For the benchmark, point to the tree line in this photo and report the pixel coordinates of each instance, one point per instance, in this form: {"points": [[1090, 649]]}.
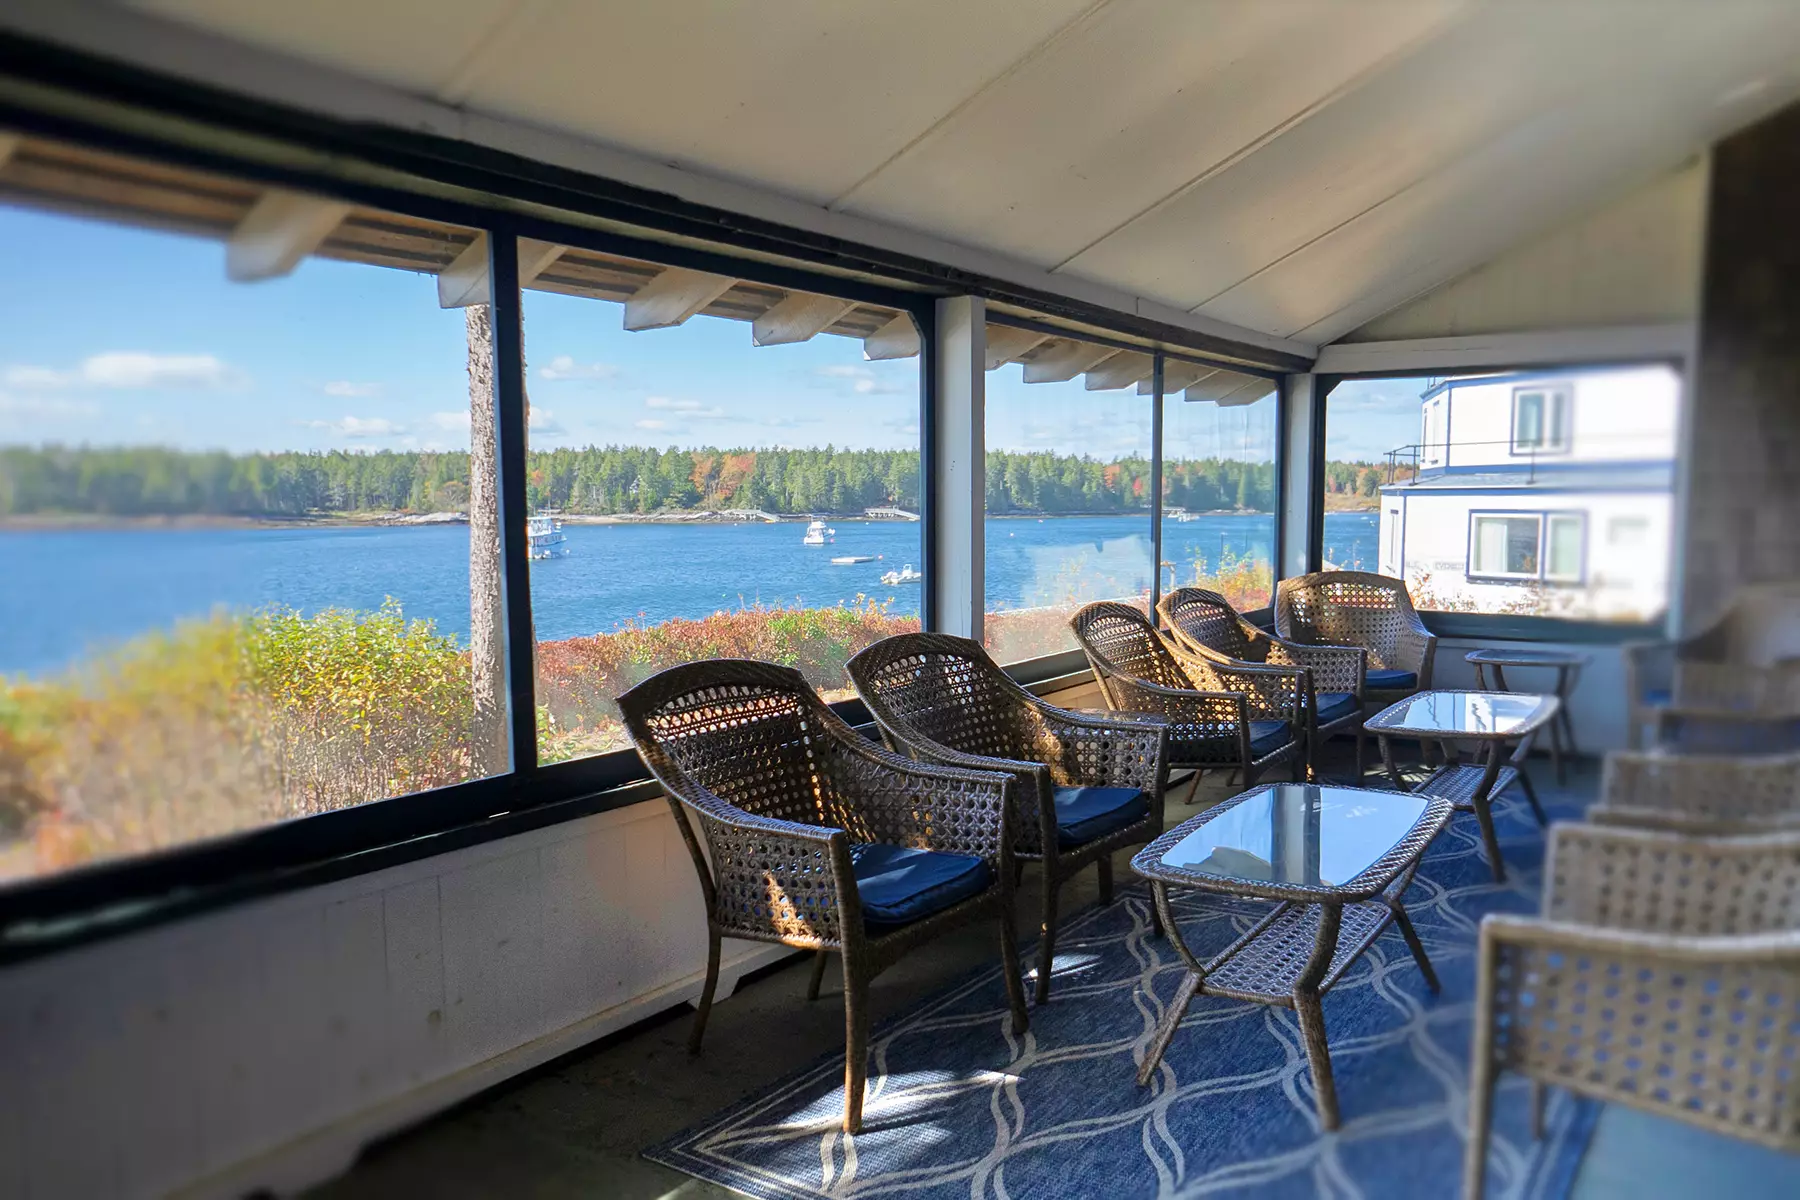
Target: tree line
{"points": [[155, 481]]}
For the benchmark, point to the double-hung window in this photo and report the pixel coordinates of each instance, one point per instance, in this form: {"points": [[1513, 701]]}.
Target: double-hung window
{"points": [[1540, 420], [1528, 546]]}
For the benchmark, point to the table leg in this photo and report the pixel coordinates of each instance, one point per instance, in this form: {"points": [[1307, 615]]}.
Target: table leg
{"points": [[1565, 684], [1500, 679], [1387, 758], [1165, 1028], [1484, 813], [1312, 1014]]}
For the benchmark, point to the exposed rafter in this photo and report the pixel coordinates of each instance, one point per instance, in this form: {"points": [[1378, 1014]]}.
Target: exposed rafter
{"points": [[1176, 376], [279, 230], [1121, 370], [465, 281], [798, 317], [1065, 361], [899, 338], [1006, 344], [672, 297], [9, 142], [1248, 392], [1214, 384]]}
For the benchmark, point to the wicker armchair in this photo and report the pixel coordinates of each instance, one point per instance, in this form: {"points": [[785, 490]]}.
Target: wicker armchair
{"points": [[1241, 719], [1699, 794], [1743, 665], [1085, 784], [1663, 974], [1204, 624], [1356, 608], [819, 839]]}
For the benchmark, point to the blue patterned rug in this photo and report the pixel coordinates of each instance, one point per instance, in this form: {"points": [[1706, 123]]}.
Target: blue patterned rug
{"points": [[959, 1107]]}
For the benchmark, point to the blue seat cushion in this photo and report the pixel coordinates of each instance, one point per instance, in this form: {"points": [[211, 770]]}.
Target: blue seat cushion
{"points": [[1266, 737], [1387, 679], [1654, 696], [1725, 735], [899, 886], [1086, 813], [1335, 705]]}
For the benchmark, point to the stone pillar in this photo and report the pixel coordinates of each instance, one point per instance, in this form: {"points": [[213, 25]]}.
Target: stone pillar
{"points": [[960, 446]]}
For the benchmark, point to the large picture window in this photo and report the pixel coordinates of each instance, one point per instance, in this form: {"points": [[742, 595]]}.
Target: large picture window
{"points": [[1218, 527], [236, 499], [1068, 487], [717, 469], [1474, 517]]}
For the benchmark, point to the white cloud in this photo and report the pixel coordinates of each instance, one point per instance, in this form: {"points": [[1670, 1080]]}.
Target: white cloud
{"points": [[45, 407], [454, 422], [345, 388], [862, 381], [129, 369], [542, 420], [651, 423], [564, 367], [359, 427], [692, 409]]}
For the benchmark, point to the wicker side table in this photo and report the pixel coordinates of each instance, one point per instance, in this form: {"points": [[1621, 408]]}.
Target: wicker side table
{"points": [[1492, 719], [1334, 859], [1568, 666]]}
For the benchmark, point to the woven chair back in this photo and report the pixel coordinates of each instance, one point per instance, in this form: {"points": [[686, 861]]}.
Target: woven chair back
{"points": [[753, 734], [1119, 640], [1349, 608], [1207, 619], [945, 689]]}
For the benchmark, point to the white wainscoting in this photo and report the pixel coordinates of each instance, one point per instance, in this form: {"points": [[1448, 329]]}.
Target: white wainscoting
{"points": [[261, 1046]]}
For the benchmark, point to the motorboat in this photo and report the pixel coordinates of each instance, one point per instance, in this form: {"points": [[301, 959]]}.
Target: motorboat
{"points": [[905, 574], [544, 536], [845, 560], [817, 534]]}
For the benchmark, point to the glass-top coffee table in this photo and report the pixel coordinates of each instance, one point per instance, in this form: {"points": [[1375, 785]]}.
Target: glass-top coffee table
{"points": [[1335, 859], [1490, 718]]}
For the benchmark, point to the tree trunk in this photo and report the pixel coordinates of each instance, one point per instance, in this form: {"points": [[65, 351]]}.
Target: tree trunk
{"points": [[487, 612]]}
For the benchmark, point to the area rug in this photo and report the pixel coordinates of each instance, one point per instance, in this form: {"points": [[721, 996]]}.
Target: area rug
{"points": [[960, 1107]]}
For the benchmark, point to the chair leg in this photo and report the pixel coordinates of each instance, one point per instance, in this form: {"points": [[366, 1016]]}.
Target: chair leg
{"points": [[1302, 767], [1537, 1111], [1104, 865], [820, 958], [856, 1046], [1416, 946], [702, 1009], [1361, 741], [1009, 963], [1318, 1056], [1156, 921], [1194, 787], [1047, 938], [1481, 1078]]}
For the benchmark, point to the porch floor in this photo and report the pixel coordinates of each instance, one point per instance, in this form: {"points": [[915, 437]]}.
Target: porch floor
{"points": [[575, 1128]]}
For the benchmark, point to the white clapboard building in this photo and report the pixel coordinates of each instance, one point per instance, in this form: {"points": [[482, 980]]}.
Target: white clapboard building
{"points": [[1541, 493]]}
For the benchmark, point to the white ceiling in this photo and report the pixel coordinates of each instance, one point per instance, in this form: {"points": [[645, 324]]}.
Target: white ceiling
{"points": [[1293, 167]]}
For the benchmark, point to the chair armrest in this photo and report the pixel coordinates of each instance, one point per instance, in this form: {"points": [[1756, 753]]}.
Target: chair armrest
{"points": [[1664, 883], [1334, 668], [775, 879], [1776, 947], [1119, 749], [905, 802], [1647, 665], [1736, 688], [1414, 650]]}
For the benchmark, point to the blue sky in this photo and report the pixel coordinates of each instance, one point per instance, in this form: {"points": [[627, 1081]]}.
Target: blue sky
{"points": [[118, 336]]}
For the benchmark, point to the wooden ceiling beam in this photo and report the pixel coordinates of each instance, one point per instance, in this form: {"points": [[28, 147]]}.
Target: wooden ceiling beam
{"points": [[798, 317], [9, 143], [1065, 361], [899, 338], [673, 296], [1006, 344], [465, 281], [280, 229], [1249, 392], [1121, 370], [1176, 376]]}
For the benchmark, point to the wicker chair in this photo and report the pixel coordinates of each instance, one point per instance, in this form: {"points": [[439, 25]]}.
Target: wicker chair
{"points": [[1204, 624], [1241, 720], [1663, 974], [1742, 664], [817, 838], [1085, 784], [1355, 608], [1700, 794]]}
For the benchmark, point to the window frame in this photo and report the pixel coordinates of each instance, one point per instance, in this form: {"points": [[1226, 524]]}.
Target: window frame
{"points": [[1544, 518], [1563, 394], [53, 92]]}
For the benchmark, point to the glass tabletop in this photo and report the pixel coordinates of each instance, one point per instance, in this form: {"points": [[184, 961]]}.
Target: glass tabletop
{"points": [[1466, 714], [1527, 658], [1298, 833]]}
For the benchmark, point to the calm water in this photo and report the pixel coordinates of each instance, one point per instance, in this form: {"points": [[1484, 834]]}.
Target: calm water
{"points": [[66, 591]]}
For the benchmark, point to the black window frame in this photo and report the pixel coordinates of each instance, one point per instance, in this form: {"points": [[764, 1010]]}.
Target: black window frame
{"points": [[54, 92]]}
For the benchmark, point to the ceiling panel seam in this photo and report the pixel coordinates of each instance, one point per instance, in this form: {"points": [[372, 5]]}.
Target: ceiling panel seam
{"points": [[463, 77], [1354, 83], [1037, 51]]}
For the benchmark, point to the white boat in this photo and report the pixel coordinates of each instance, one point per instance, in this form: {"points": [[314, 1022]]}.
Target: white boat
{"points": [[844, 560], [905, 574], [817, 534], [544, 536]]}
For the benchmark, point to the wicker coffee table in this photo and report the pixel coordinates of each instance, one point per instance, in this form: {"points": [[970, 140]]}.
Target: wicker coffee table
{"points": [[1334, 859], [1567, 664], [1492, 719]]}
